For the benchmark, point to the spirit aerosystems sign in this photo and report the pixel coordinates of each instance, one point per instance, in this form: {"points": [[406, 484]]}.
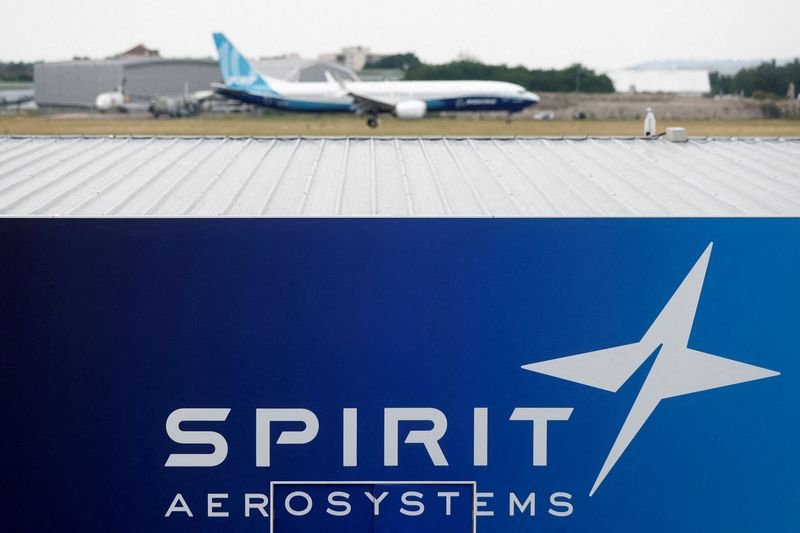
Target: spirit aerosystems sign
{"points": [[400, 375]]}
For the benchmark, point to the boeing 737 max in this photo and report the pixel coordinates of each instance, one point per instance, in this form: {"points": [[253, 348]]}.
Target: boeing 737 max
{"points": [[403, 99]]}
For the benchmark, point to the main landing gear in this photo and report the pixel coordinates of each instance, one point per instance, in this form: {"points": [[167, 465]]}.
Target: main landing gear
{"points": [[372, 121]]}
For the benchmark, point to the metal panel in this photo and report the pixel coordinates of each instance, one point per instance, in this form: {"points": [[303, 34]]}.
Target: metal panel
{"points": [[170, 77], [384, 176], [77, 83]]}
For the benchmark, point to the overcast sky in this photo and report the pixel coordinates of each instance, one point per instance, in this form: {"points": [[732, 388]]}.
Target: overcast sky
{"points": [[601, 34]]}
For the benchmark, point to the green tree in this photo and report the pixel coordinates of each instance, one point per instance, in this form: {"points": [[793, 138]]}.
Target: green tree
{"points": [[558, 80], [766, 80], [18, 71], [400, 61]]}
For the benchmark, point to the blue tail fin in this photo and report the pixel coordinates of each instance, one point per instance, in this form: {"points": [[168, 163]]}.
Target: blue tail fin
{"points": [[237, 72]]}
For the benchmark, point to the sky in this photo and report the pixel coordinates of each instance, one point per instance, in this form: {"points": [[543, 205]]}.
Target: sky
{"points": [[600, 34]]}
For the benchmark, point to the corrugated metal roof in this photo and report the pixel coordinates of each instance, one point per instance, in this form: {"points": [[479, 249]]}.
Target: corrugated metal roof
{"points": [[381, 176]]}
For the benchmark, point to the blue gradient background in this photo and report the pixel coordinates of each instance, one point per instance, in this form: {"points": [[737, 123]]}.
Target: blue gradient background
{"points": [[106, 326]]}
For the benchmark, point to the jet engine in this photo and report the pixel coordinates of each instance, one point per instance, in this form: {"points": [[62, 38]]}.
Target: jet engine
{"points": [[410, 109]]}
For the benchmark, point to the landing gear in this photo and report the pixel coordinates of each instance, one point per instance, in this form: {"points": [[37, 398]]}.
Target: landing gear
{"points": [[372, 121], [508, 118]]}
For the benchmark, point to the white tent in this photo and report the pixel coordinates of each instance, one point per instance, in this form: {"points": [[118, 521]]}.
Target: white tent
{"points": [[679, 81]]}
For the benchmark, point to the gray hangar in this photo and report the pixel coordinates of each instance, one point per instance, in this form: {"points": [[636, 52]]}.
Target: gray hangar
{"points": [[76, 84]]}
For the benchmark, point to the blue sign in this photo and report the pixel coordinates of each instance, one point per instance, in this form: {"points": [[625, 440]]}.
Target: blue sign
{"points": [[299, 507], [400, 375]]}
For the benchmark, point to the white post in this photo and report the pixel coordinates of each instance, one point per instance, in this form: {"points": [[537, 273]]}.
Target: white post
{"points": [[649, 123]]}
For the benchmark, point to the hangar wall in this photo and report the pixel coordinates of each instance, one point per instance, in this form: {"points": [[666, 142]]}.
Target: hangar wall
{"points": [[76, 84]]}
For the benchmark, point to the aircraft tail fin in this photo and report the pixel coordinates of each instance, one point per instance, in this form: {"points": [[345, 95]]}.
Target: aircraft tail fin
{"points": [[237, 72]]}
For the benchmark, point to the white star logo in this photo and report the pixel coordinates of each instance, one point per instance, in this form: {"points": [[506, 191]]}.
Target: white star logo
{"points": [[677, 370]]}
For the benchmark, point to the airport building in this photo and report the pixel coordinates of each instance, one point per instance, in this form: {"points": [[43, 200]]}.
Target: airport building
{"points": [[76, 84], [303, 70], [353, 57], [688, 82]]}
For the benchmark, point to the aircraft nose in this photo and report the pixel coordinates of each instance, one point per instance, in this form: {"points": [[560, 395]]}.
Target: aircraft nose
{"points": [[533, 98]]}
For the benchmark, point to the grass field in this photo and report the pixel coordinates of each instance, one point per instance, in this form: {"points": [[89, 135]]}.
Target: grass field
{"points": [[355, 126]]}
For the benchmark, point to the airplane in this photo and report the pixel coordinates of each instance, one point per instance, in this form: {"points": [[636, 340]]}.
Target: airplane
{"points": [[115, 100], [172, 106], [11, 98], [403, 99], [181, 106]]}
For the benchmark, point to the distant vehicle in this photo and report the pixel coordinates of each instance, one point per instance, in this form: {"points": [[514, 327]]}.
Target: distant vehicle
{"points": [[403, 99], [544, 115]]}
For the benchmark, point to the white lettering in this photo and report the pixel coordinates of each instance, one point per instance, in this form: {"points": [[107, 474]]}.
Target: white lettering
{"points": [[480, 439], [376, 503], [294, 512], [265, 417], [214, 504], [560, 499], [349, 437], [216, 457], [480, 504], [448, 497], [514, 504], [260, 504], [178, 505], [429, 438], [540, 417], [343, 503], [417, 503]]}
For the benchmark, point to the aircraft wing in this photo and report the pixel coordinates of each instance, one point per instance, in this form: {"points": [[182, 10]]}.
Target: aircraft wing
{"points": [[362, 104], [203, 95], [366, 104], [16, 98]]}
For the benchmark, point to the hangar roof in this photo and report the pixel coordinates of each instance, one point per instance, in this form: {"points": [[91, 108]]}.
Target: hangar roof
{"points": [[128, 62], [385, 176]]}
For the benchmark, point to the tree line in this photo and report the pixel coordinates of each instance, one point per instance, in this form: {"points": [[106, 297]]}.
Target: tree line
{"points": [[574, 77], [766, 80], [18, 71]]}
